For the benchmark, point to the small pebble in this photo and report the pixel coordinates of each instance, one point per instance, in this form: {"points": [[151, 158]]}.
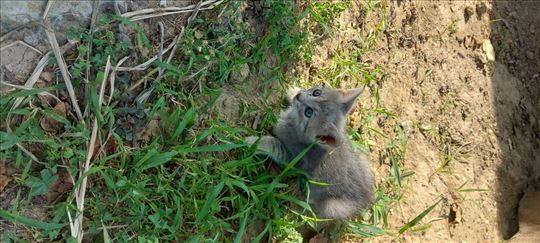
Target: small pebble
{"points": [[530, 55], [407, 126]]}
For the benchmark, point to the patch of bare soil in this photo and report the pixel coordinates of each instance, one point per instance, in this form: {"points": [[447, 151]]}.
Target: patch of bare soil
{"points": [[440, 75], [474, 139]]}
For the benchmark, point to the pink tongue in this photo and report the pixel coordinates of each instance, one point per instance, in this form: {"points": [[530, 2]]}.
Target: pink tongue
{"points": [[327, 139]]}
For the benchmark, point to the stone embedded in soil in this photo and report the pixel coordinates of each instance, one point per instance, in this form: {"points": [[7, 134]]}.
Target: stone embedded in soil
{"points": [[62, 16], [407, 126], [530, 55]]}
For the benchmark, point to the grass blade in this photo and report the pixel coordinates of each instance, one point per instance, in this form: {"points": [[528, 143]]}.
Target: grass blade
{"points": [[189, 116], [418, 218], [473, 190], [242, 228], [366, 230], [158, 159], [209, 148], [209, 200], [29, 221], [296, 159]]}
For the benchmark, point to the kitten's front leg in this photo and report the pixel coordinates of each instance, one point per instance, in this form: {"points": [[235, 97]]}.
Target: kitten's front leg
{"points": [[272, 147]]}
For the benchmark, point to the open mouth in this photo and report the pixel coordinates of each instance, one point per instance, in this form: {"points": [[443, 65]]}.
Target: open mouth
{"points": [[326, 139]]}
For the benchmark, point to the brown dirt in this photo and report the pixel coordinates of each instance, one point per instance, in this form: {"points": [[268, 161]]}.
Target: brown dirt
{"points": [[438, 79], [482, 113]]}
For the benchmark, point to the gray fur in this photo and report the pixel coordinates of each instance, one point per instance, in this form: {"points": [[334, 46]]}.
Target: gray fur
{"points": [[332, 160]]}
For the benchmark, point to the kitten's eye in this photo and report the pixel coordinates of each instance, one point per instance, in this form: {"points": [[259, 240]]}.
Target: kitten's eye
{"points": [[308, 112], [316, 92]]}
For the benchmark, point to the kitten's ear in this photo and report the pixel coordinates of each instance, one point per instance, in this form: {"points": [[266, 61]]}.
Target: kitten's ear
{"points": [[291, 93], [348, 96]]}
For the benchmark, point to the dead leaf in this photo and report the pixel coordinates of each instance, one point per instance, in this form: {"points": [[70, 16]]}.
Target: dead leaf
{"points": [[51, 125], [47, 76], [110, 147], [150, 130], [60, 187], [4, 178], [60, 109]]}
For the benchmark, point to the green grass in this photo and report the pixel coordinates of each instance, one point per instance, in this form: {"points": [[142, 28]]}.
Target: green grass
{"points": [[453, 27], [191, 178]]}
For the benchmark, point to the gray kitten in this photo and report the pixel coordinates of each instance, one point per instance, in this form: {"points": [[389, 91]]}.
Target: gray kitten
{"points": [[318, 115]]}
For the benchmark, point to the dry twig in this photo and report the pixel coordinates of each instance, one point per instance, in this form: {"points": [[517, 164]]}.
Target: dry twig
{"points": [[63, 68], [34, 77], [159, 12], [21, 43], [80, 191]]}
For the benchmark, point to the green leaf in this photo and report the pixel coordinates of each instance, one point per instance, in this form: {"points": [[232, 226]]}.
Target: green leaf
{"points": [[29, 221], [242, 228], [28, 92], [295, 200], [366, 230], [56, 117], [418, 218], [39, 186], [8, 140], [158, 159], [208, 148], [211, 199], [297, 159], [189, 116]]}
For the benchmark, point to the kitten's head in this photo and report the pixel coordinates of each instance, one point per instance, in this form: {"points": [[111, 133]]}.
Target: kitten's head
{"points": [[319, 114]]}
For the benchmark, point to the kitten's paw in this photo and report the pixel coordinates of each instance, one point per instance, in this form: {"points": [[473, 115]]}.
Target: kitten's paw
{"points": [[291, 93], [251, 140]]}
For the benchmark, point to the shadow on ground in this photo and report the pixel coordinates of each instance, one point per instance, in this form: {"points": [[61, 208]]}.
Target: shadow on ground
{"points": [[515, 35]]}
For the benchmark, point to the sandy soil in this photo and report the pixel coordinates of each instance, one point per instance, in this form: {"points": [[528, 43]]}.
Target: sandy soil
{"points": [[480, 113], [456, 103]]}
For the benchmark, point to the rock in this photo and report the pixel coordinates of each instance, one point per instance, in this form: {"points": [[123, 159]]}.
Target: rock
{"points": [[62, 16], [17, 63], [530, 55], [407, 126]]}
